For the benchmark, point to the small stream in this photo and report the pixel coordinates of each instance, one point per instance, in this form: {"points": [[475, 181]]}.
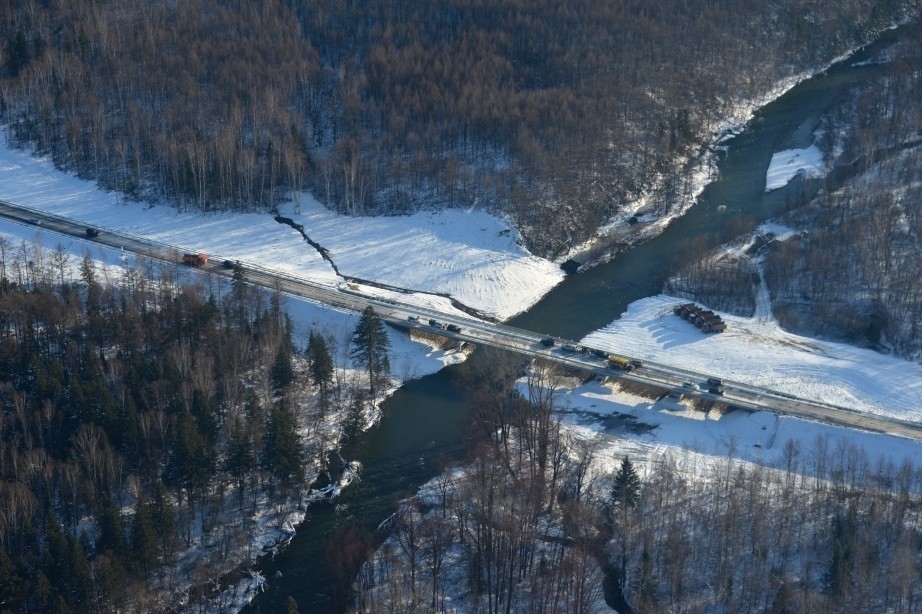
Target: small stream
{"points": [[424, 423]]}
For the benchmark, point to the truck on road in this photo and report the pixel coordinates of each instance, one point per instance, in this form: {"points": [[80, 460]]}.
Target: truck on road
{"points": [[199, 259], [619, 362]]}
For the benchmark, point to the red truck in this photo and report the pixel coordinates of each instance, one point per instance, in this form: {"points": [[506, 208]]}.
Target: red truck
{"points": [[199, 259]]}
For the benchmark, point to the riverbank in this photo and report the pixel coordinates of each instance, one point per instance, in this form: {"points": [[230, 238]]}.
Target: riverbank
{"points": [[259, 239], [430, 258]]}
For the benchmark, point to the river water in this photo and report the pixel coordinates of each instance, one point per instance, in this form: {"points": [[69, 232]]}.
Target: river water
{"points": [[424, 423]]}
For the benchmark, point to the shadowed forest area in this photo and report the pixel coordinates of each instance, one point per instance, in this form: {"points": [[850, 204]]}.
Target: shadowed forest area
{"points": [[552, 112], [150, 429], [851, 270]]}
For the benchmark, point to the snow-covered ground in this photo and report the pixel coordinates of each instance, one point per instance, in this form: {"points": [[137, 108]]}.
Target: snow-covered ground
{"points": [[787, 164], [595, 411], [475, 258], [758, 352], [469, 255]]}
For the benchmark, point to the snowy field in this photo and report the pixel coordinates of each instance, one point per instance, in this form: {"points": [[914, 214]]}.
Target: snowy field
{"points": [[469, 255], [756, 351], [590, 411], [472, 256]]}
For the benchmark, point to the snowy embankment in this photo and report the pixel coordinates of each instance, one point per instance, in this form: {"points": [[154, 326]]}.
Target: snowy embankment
{"points": [[651, 211]]}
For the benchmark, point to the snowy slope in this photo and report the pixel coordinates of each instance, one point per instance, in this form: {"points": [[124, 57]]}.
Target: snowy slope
{"points": [[472, 256]]}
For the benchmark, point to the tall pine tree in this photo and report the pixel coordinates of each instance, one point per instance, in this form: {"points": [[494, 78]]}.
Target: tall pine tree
{"points": [[321, 368], [626, 488], [283, 451], [370, 346]]}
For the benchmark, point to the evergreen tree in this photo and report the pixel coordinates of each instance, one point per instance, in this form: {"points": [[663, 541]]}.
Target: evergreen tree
{"points": [[40, 593], [321, 368], [283, 451], [164, 517], [131, 439], [145, 544], [204, 416], [370, 346], [190, 462], [240, 456], [19, 52], [282, 372], [111, 530], [10, 581], [355, 419], [626, 488], [66, 567]]}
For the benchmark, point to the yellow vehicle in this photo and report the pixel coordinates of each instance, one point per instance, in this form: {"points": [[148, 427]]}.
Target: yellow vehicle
{"points": [[619, 362]]}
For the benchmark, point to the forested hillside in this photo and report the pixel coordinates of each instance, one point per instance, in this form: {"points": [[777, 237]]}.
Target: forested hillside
{"points": [[145, 428], [852, 269], [535, 522], [551, 111]]}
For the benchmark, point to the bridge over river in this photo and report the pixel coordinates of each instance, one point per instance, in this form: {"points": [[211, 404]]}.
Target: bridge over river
{"points": [[467, 329]]}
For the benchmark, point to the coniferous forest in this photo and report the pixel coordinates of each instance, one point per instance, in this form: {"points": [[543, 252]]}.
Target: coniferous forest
{"points": [[146, 426], [552, 112]]}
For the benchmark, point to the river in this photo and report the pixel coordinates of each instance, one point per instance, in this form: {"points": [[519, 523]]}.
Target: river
{"points": [[423, 424]]}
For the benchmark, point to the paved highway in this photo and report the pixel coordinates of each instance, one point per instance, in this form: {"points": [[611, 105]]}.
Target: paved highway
{"points": [[664, 377]]}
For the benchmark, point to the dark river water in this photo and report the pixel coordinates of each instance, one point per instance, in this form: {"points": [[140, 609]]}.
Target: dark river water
{"points": [[424, 423]]}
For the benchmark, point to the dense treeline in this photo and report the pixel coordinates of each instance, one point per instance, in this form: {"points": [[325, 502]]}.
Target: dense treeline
{"points": [[854, 274], [553, 112], [538, 520], [140, 417], [721, 279], [852, 270]]}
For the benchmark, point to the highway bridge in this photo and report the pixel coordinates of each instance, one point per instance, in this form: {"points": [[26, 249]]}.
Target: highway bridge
{"points": [[568, 353]]}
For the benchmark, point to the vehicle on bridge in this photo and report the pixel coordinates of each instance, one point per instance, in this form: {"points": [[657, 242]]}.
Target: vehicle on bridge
{"points": [[453, 328], [548, 342], [413, 319], [92, 233], [436, 324], [199, 259], [619, 362]]}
